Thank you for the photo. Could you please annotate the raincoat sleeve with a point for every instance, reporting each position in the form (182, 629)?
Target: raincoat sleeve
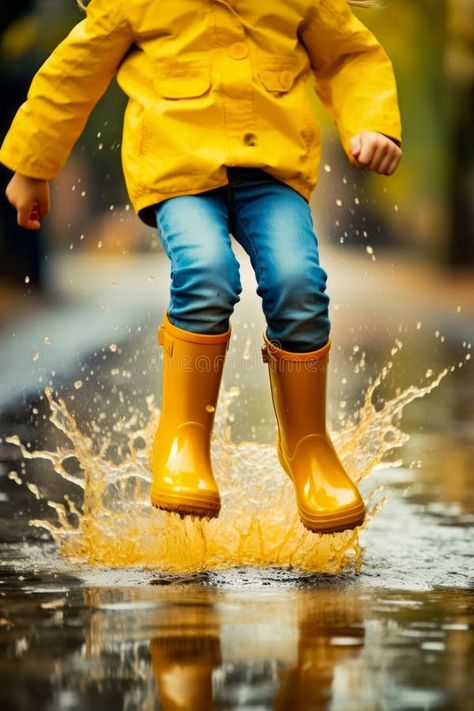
(353, 75)
(65, 90)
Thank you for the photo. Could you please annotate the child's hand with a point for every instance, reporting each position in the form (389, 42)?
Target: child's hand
(375, 151)
(30, 198)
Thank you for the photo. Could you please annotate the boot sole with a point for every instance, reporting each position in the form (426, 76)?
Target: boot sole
(187, 506)
(335, 524)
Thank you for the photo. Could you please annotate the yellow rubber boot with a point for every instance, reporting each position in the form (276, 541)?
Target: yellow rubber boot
(180, 457)
(327, 498)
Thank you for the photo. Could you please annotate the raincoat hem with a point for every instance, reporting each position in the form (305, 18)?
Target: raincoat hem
(145, 205)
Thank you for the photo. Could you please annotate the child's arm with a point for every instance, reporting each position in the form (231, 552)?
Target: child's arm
(354, 80)
(62, 95)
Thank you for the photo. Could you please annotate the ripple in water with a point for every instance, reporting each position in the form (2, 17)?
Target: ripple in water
(116, 526)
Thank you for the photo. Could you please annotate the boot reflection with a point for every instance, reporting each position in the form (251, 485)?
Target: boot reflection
(331, 634)
(183, 665)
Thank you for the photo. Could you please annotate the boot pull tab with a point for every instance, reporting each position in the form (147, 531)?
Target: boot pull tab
(264, 351)
(165, 340)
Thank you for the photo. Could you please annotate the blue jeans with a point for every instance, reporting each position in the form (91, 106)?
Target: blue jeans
(274, 225)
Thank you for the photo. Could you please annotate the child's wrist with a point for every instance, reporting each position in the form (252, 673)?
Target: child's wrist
(395, 140)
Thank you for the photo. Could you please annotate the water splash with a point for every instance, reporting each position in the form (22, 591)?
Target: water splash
(111, 522)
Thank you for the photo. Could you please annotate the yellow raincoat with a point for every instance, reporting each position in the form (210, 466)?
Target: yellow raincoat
(211, 83)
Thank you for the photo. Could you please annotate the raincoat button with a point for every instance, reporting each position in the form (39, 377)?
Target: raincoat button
(250, 139)
(285, 79)
(238, 50)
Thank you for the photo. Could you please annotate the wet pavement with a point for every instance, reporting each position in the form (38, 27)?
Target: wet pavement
(393, 630)
(248, 639)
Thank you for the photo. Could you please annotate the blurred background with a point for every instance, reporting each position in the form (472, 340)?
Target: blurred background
(424, 211)
(399, 250)
(79, 305)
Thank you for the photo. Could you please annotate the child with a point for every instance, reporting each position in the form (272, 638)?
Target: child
(219, 137)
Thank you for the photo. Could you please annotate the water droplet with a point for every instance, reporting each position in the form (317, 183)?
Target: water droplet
(327, 167)
(210, 408)
(27, 280)
(246, 353)
(47, 341)
(113, 347)
(78, 384)
(34, 490)
(339, 202)
(36, 355)
(14, 477)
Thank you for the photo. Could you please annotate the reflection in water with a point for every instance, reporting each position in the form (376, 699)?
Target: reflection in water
(114, 524)
(331, 634)
(233, 640)
(184, 657)
(289, 647)
(183, 668)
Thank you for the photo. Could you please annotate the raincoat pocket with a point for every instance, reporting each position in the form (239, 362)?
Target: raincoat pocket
(182, 96)
(278, 74)
(182, 80)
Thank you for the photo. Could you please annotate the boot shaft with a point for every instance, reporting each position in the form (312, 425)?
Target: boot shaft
(299, 387)
(192, 372)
